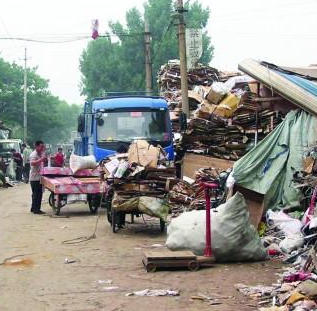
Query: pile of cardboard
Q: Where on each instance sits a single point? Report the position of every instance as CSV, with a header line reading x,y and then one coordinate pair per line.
x,y
185,196
138,173
227,123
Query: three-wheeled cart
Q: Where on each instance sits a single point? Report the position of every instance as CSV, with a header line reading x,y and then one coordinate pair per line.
x,y
137,195
62,184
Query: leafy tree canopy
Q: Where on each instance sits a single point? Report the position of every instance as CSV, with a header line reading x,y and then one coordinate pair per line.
x,y
49,118
116,64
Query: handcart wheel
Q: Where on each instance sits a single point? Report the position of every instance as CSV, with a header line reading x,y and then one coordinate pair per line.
x,y
193,265
162,225
55,205
150,267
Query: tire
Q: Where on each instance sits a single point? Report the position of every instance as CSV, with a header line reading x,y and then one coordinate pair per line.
x,y
114,221
56,209
193,265
108,208
162,225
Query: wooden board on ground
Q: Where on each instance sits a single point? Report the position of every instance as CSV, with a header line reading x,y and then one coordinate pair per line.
x,y
175,259
170,255
192,162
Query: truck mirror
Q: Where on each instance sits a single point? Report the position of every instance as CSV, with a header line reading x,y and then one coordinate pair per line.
x,y
183,121
81,123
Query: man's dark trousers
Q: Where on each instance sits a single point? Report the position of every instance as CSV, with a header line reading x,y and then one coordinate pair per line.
x,y
37,193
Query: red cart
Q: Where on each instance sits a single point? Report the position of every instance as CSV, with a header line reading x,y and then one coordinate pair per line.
x,y
62,183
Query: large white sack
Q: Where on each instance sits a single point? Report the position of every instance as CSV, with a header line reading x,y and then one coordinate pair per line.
x,y
78,163
233,237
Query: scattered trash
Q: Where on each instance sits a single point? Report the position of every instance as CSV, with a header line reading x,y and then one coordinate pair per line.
x,y
69,261
154,293
105,282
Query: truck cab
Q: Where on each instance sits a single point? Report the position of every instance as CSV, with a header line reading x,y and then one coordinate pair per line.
x,y
6,145
111,122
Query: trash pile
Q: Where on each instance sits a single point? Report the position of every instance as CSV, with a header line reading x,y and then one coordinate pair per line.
x,y
139,179
228,113
293,238
230,226
185,196
228,130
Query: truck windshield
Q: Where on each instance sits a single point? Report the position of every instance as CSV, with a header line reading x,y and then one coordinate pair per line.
x,y
6,147
125,126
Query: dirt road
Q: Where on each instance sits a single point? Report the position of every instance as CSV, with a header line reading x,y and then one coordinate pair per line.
x,y
41,280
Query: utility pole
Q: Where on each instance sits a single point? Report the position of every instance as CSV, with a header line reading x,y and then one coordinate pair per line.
x,y
182,56
25,116
148,60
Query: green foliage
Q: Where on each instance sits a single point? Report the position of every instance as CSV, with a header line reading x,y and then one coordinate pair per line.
x,y
49,118
117,65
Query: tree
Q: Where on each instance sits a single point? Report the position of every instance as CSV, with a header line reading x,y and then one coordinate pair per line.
x,y
49,118
111,64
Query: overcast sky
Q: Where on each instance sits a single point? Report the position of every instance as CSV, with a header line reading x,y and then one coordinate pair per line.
x,y
279,31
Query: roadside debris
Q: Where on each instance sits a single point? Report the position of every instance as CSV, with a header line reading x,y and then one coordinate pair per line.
x,y
140,180
69,261
154,293
230,226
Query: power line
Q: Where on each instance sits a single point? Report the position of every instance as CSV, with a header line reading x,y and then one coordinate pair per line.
x,y
60,40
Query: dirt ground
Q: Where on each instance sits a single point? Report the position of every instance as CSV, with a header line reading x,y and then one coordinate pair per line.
x,y
42,281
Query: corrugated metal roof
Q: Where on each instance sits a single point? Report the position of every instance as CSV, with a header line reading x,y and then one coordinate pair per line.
x,y
300,91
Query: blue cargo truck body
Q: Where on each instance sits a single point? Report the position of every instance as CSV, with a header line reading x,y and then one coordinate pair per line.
x,y
112,122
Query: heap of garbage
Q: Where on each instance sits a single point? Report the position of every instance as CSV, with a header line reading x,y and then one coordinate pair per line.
x,y
229,113
140,179
189,195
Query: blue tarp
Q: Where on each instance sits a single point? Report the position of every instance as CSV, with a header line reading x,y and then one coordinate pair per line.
x,y
305,84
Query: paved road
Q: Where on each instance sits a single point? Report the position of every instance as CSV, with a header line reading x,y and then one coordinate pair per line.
x,y
40,279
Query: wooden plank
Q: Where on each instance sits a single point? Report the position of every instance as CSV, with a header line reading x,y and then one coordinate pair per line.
x,y
192,162
170,255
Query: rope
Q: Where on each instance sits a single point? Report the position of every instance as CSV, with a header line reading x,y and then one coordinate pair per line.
x,y
93,235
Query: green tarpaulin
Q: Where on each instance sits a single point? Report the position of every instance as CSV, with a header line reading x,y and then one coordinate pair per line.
x,y
268,168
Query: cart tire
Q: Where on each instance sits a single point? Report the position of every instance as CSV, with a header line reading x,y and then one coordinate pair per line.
x,y
162,225
56,211
193,265
52,203
150,267
51,199
109,216
113,221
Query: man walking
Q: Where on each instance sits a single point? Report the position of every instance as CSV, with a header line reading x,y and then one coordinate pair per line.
x,y
37,159
26,162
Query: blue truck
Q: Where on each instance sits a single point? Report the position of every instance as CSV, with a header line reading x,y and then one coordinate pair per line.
x,y
109,123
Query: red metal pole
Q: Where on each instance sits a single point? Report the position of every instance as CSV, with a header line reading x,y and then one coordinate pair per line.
x,y
207,187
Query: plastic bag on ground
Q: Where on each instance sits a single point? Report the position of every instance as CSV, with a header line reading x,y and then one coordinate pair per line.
x,y
233,237
287,224
78,163
291,243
